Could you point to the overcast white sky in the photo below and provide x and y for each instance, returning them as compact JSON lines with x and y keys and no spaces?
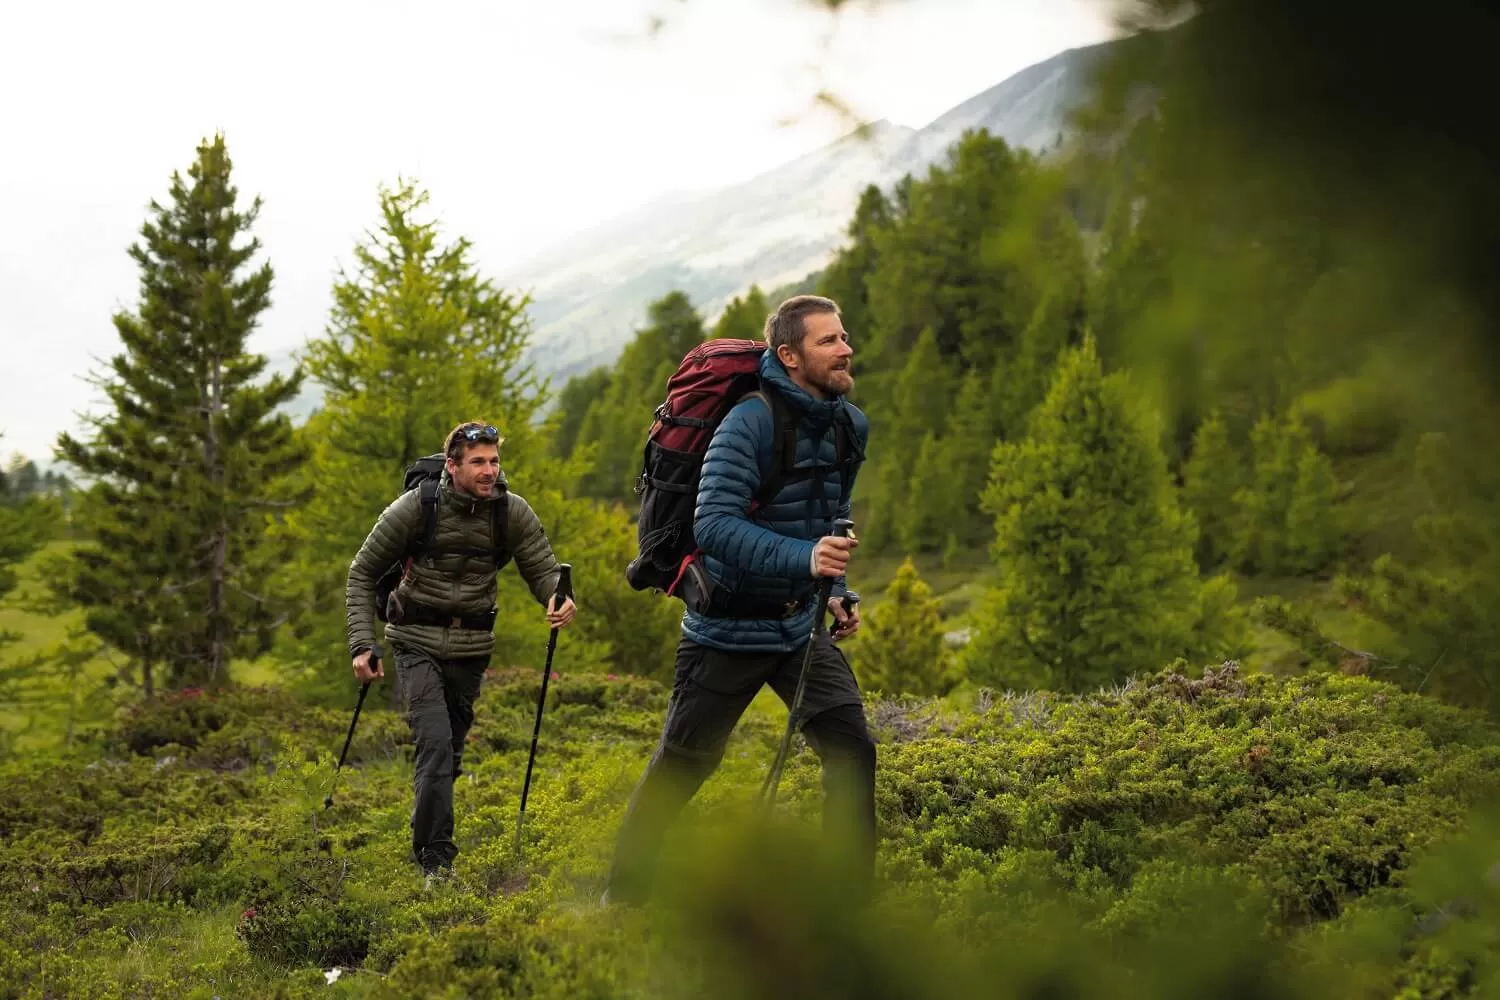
{"x":527,"y":120}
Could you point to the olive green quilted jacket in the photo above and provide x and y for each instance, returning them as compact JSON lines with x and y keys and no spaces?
{"x":449,"y":581}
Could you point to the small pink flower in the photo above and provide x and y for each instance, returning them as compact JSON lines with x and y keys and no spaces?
{"x":556,"y":676}
{"x":250,"y":913}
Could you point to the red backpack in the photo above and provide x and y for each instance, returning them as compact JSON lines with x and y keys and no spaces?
{"x":712,"y":378}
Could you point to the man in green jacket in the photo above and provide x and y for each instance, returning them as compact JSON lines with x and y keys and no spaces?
{"x":441,"y":616}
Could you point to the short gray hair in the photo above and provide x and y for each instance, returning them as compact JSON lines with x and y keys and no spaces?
{"x":785,"y":325}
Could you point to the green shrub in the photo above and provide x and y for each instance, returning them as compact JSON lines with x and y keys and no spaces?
{"x":309,"y":915}
{"x":1183,"y":834}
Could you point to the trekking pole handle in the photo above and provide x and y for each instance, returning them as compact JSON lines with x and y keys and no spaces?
{"x":564,"y":584}
{"x":841,"y":528}
{"x":847,"y":602}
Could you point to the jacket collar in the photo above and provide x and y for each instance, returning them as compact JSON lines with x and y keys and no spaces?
{"x":446,"y":486}
{"x":819,"y":412}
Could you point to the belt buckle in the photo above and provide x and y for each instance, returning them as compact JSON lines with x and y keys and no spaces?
{"x":457,"y":622}
{"x":789,"y":609}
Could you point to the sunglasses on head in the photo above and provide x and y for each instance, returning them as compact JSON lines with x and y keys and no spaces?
{"x":480,"y":432}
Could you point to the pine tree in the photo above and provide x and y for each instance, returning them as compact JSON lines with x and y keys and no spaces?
{"x":920,"y":398}
{"x":1287,"y":519}
{"x":24,"y":527}
{"x":1212,"y":476}
{"x":612,"y":428}
{"x":1313,"y":533}
{"x":416,"y":342}
{"x":902,"y":649}
{"x":967,"y":445}
{"x":566,"y":420}
{"x":193,"y":457}
{"x":982,"y":240}
{"x":20,"y":477}
{"x":1096,"y":564}
{"x":927,"y":504}
{"x":744,"y":317}
{"x":845,"y":280}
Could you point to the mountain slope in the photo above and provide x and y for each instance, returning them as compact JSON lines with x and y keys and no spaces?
{"x":591,"y":291}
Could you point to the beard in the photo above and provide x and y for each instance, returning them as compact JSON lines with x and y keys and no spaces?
{"x":835,"y":381}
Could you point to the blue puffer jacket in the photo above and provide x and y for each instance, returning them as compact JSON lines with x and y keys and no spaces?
{"x":767,"y":556}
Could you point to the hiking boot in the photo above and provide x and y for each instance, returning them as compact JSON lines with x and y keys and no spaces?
{"x":435,"y":872}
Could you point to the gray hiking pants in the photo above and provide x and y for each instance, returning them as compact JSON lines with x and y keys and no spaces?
{"x":438,"y":703}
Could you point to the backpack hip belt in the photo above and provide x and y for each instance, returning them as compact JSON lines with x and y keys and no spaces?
{"x":422,"y":614}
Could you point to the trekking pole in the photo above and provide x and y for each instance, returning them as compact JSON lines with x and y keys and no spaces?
{"x":825,"y":590}
{"x":564,"y":591}
{"x":364,"y":689}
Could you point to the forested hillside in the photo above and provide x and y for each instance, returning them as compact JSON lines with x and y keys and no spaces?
{"x":1182,"y":633}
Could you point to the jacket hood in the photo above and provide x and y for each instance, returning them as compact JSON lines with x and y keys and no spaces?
{"x":818,"y":412}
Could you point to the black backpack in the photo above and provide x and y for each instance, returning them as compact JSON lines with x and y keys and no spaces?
{"x":425,"y":474}
{"x":712,"y":378}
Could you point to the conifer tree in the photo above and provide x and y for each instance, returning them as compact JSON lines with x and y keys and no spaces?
{"x":1212,"y":476}
{"x":1095,"y":557}
{"x":901,"y":650}
{"x":846,"y":278}
{"x":565,"y":423}
{"x":967,"y":445}
{"x":613,"y":427}
{"x":1287,"y":519}
{"x":744,"y":317}
{"x":1313,"y":532}
{"x":920,"y":398}
{"x":192,"y":457}
{"x":927,"y":503}
{"x":24,"y":527}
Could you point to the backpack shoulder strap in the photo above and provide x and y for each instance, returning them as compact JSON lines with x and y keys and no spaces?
{"x":427,"y":495}
{"x":783,"y":448}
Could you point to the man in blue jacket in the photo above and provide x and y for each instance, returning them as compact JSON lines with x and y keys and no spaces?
{"x":764,"y":563}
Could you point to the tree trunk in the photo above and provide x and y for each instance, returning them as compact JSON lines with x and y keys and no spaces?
{"x":219,"y":540}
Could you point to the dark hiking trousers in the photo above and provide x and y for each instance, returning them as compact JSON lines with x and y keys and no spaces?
{"x":438,"y":702}
{"x":711,"y":690}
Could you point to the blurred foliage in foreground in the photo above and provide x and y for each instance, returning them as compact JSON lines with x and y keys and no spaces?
{"x":1175,"y":837}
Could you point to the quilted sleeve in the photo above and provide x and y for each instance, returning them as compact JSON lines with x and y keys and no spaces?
{"x":532,"y":551}
{"x":386,"y":543}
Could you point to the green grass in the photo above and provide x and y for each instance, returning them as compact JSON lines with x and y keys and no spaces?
{"x":38,"y":632}
{"x":40,"y":725}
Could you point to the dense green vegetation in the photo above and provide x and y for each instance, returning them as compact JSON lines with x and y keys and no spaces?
{"x":1283,"y":828}
{"x":1182,"y":598}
